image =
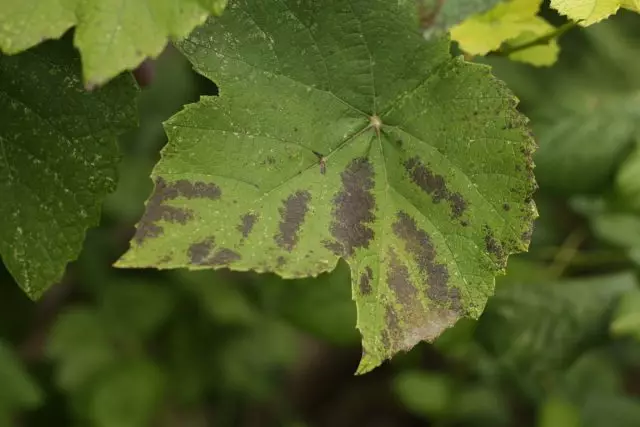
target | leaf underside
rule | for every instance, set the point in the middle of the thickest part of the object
(112, 35)
(58, 156)
(340, 132)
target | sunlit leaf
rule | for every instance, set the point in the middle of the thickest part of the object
(112, 35)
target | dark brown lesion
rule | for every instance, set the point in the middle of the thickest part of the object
(365, 281)
(292, 216)
(247, 221)
(399, 280)
(206, 253)
(157, 209)
(435, 185)
(353, 209)
(420, 245)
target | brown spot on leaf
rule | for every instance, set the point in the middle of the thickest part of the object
(435, 185)
(334, 247)
(399, 281)
(354, 208)
(156, 210)
(223, 257)
(418, 243)
(198, 252)
(198, 189)
(494, 247)
(292, 214)
(506, 207)
(365, 281)
(281, 261)
(246, 225)
(526, 235)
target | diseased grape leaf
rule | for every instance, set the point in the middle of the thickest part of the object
(112, 35)
(18, 391)
(340, 132)
(438, 16)
(588, 12)
(58, 156)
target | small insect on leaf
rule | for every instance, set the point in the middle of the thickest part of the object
(323, 162)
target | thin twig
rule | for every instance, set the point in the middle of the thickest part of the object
(567, 252)
(544, 39)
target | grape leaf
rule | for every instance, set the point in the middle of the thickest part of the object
(588, 12)
(18, 391)
(58, 156)
(628, 177)
(340, 132)
(515, 23)
(438, 16)
(538, 329)
(111, 35)
(626, 320)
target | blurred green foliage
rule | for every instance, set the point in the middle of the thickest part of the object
(558, 345)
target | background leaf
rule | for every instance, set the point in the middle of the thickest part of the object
(58, 158)
(112, 36)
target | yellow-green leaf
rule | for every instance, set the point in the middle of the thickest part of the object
(588, 12)
(112, 35)
(511, 23)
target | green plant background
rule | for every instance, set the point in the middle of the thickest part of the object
(559, 343)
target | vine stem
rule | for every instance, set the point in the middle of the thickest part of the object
(557, 32)
(567, 252)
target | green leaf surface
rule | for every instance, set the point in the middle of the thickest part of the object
(127, 396)
(424, 393)
(626, 320)
(58, 158)
(438, 16)
(628, 178)
(540, 328)
(81, 346)
(111, 35)
(18, 391)
(340, 132)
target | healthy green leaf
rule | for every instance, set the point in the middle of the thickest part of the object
(134, 308)
(18, 391)
(112, 36)
(628, 178)
(626, 320)
(424, 393)
(127, 396)
(58, 158)
(438, 16)
(542, 328)
(340, 132)
(81, 347)
(588, 12)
